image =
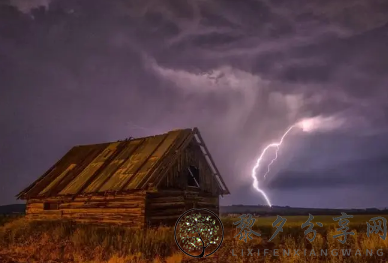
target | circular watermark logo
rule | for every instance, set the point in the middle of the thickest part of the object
(199, 233)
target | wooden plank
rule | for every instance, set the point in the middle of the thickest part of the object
(45, 212)
(34, 210)
(147, 162)
(107, 156)
(81, 214)
(57, 179)
(102, 218)
(104, 210)
(162, 204)
(96, 198)
(101, 184)
(162, 151)
(40, 217)
(207, 199)
(173, 217)
(159, 172)
(167, 200)
(92, 167)
(162, 172)
(167, 213)
(101, 205)
(117, 198)
(117, 179)
(85, 158)
(196, 131)
(166, 193)
(130, 222)
(35, 205)
(50, 199)
(25, 193)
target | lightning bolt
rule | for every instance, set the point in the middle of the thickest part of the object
(272, 145)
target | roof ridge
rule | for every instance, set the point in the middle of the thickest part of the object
(137, 138)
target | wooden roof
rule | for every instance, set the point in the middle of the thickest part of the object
(117, 166)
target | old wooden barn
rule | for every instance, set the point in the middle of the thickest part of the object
(136, 182)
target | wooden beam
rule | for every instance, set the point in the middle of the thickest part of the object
(52, 168)
(173, 158)
(218, 174)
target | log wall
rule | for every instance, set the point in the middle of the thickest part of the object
(165, 207)
(135, 210)
(126, 209)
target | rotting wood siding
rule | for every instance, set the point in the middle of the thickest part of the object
(165, 207)
(163, 198)
(128, 210)
(177, 176)
(174, 197)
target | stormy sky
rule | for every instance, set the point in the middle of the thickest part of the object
(90, 71)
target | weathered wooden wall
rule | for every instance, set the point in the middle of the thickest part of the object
(177, 176)
(165, 207)
(141, 208)
(175, 196)
(126, 209)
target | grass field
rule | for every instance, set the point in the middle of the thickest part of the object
(24, 241)
(7, 218)
(299, 220)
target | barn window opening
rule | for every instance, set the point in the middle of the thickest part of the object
(50, 206)
(193, 178)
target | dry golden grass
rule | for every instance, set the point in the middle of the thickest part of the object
(8, 218)
(25, 241)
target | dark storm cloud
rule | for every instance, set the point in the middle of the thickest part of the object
(361, 173)
(82, 71)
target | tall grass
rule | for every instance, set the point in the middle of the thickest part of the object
(81, 239)
(35, 241)
(5, 218)
(295, 221)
